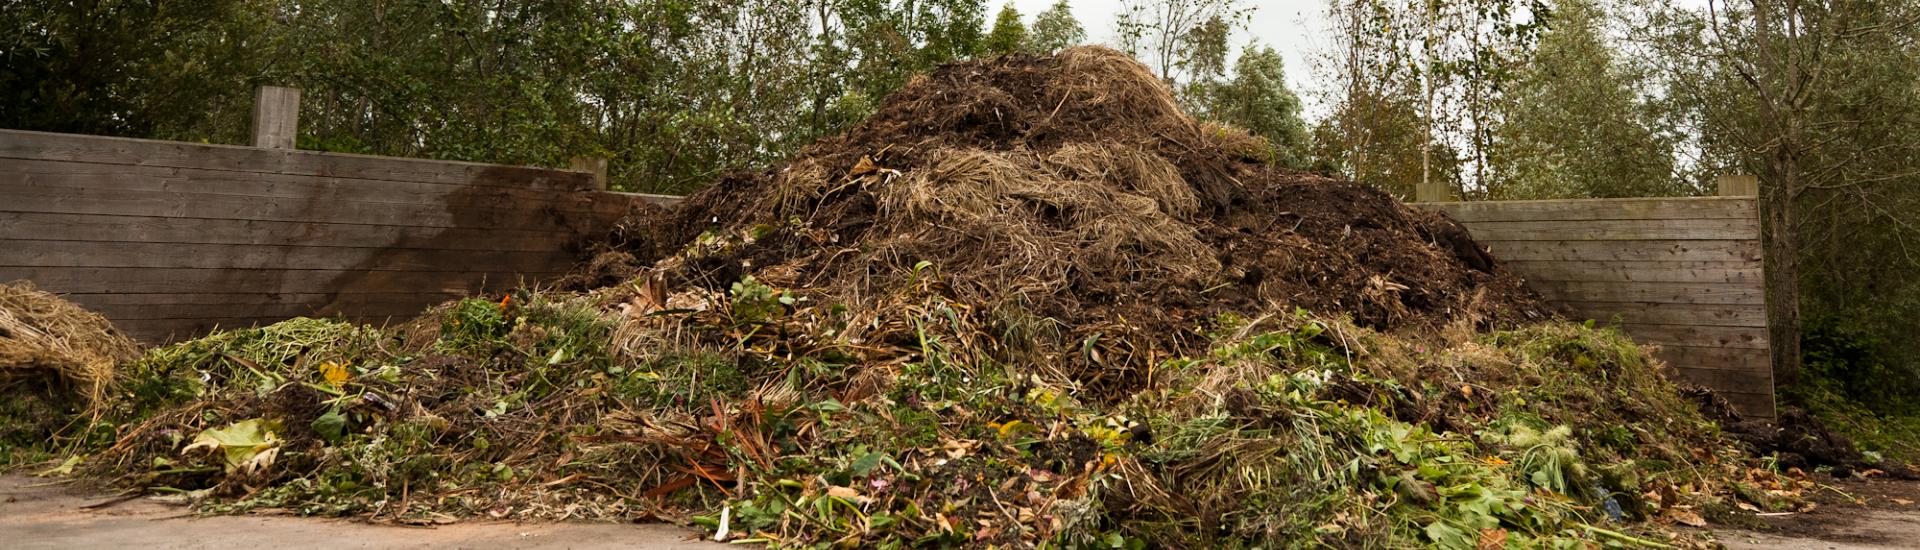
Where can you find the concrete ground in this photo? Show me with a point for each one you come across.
(1849, 515)
(35, 514)
(1869, 530)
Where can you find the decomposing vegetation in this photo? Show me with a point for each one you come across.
(1027, 303)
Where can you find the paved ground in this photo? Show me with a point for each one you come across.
(35, 515)
(1852, 515)
(1872, 529)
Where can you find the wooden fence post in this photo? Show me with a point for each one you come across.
(276, 117)
(1430, 192)
(595, 165)
(1739, 186)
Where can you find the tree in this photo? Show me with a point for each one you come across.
(1805, 95)
(1257, 100)
(1009, 34)
(124, 67)
(1377, 136)
(1573, 125)
(1171, 35)
(1055, 28)
(1455, 58)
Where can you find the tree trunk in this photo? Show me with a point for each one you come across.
(1782, 252)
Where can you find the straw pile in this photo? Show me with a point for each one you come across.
(46, 338)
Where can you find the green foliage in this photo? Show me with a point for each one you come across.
(1055, 28)
(1009, 33)
(673, 93)
(757, 303)
(473, 325)
(1257, 100)
(1850, 387)
(1574, 126)
(1848, 359)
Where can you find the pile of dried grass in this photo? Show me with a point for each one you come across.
(42, 334)
(1020, 223)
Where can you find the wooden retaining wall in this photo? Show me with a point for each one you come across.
(1684, 274)
(170, 239)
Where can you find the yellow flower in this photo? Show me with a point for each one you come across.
(334, 373)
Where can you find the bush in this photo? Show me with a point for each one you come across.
(1849, 360)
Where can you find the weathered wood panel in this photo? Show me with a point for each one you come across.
(1602, 209)
(1684, 275)
(172, 239)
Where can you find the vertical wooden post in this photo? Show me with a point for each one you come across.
(276, 117)
(1739, 186)
(595, 165)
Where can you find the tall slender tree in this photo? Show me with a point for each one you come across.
(1009, 33)
(1056, 28)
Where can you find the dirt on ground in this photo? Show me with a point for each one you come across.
(1848, 514)
(36, 513)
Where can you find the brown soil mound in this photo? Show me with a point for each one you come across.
(1072, 193)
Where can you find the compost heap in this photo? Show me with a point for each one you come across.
(1028, 302)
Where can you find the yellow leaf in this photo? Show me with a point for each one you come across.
(248, 445)
(1495, 461)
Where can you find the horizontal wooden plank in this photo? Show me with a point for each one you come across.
(94, 280)
(1632, 251)
(663, 201)
(1747, 361)
(37, 253)
(218, 298)
(1681, 229)
(216, 306)
(218, 312)
(1670, 314)
(18, 144)
(35, 174)
(570, 212)
(1601, 209)
(1694, 335)
(1666, 293)
(150, 229)
(1731, 272)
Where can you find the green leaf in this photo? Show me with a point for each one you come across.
(331, 426)
(867, 463)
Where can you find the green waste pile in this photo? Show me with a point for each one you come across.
(1028, 304)
(753, 418)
